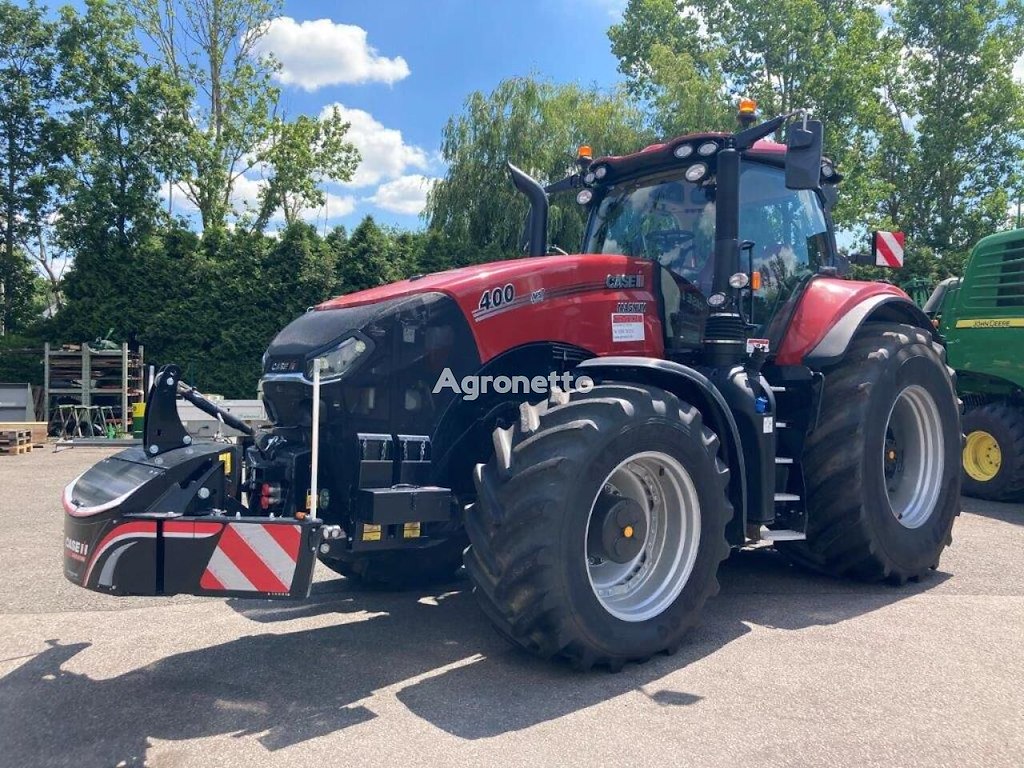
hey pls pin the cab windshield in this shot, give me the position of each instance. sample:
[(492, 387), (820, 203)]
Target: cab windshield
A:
[(672, 221)]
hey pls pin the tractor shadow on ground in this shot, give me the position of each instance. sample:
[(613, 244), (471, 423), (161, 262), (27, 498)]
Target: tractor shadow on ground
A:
[(1004, 511), (288, 687)]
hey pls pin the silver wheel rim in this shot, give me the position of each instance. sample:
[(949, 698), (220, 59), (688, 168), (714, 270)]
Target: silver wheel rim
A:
[(646, 585), (913, 457)]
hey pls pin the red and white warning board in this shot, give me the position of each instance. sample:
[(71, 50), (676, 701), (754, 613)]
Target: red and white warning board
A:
[(254, 558), (627, 326), (888, 247)]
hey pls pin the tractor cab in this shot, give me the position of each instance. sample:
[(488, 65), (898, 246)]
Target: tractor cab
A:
[(668, 216), (736, 223)]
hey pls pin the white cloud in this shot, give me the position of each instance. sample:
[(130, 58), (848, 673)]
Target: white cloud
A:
[(336, 207), (246, 193), (406, 195), (314, 54), (385, 155)]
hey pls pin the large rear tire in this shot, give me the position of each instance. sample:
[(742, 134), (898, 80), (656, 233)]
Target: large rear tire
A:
[(882, 468), (994, 452), (599, 525), (403, 568)]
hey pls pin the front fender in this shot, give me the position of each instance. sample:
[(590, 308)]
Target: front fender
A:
[(830, 313)]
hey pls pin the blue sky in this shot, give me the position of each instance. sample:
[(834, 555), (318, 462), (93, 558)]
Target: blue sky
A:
[(399, 69)]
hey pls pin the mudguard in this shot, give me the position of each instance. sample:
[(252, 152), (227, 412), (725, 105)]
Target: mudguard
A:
[(170, 524), (832, 310)]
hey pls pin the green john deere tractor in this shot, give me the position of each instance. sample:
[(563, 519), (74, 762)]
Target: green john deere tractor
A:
[(981, 316)]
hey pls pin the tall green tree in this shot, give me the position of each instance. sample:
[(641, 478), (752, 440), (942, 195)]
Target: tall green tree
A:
[(370, 259), (114, 140), (227, 110), (28, 133), (950, 141), (658, 45), (301, 153), (537, 126), (692, 58), (225, 95)]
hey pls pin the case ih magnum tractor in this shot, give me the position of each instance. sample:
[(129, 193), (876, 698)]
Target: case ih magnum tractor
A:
[(741, 393)]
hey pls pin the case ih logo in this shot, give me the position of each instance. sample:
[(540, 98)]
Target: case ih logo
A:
[(283, 366), (76, 549), (625, 281)]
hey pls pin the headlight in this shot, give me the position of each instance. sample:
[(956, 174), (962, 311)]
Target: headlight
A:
[(338, 360), (696, 172)]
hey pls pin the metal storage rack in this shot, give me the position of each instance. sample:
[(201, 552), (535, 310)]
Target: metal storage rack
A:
[(94, 378)]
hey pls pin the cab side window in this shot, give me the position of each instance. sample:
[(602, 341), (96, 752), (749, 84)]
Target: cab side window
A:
[(786, 226), (789, 234)]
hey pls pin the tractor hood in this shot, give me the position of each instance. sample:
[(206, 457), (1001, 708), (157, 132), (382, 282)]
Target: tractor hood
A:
[(552, 299), (470, 282)]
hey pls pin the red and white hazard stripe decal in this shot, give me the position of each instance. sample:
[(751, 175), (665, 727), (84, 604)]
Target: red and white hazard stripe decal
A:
[(253, 557), (134, 530), (889, 249)]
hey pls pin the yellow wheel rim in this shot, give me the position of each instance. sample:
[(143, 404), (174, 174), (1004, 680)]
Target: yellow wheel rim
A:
[(982, 457)]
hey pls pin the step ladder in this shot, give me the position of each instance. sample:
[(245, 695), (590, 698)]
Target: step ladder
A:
[(789, 485)]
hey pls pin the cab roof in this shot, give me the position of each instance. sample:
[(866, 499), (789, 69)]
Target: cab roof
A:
[(655, 155)]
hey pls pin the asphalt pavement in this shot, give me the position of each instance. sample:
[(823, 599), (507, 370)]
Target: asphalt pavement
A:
[(788, 668)]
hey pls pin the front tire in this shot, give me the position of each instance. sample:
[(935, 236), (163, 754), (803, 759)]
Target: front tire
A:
[(599, 525), (882, 468), (994, 452)]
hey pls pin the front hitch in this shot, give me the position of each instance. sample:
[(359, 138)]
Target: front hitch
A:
[(170, 517)]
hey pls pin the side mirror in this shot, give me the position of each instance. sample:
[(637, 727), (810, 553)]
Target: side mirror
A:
[(803, 155), (887, 249)]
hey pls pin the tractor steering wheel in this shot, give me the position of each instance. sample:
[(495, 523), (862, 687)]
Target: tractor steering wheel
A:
[(664, 240)]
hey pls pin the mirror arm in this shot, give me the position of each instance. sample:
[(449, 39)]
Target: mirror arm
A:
[(567, 184)]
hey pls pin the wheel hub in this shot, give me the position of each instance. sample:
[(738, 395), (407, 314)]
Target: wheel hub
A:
[(912, 458), (618, 528), (982, 457), (643, 535)]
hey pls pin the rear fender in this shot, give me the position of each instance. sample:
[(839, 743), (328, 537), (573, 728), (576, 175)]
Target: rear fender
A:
[(831, 312), (697, 390)]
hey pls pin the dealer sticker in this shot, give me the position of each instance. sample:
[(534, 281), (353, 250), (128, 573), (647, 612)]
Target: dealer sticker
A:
[(627, 326), (758, 344)]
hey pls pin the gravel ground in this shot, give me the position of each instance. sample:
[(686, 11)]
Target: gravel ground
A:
[(788, 668)]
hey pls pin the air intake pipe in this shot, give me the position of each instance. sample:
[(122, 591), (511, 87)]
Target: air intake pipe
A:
[(538, 241)]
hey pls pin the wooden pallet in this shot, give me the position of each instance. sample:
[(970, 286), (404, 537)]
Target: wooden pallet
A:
[(38, 429), (15, 442)]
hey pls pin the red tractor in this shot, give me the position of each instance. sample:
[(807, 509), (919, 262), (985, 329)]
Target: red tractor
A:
[(599, 429)]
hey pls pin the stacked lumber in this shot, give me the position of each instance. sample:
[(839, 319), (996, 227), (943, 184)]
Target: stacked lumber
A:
[(15, 441)]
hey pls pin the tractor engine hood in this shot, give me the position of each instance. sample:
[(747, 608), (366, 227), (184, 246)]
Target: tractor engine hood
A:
[(566, 300)]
